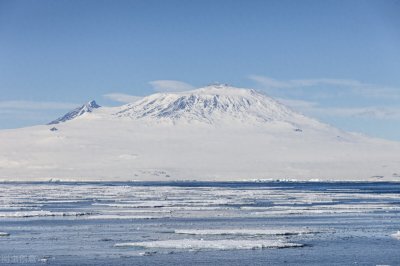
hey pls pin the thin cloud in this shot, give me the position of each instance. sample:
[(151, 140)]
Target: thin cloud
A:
[(31, 112), (343, 86), (296, 83), (371, 112), (170, 85), (122, 97), (297, 103), (32, 105), (385, 113)]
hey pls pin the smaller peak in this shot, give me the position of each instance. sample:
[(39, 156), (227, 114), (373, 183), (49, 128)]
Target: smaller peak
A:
[(86, 108)]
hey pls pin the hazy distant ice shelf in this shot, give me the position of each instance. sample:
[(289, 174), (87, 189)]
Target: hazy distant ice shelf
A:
[(200, 223)]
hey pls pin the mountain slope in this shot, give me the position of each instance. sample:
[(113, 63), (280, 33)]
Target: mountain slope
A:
[(213, 133)]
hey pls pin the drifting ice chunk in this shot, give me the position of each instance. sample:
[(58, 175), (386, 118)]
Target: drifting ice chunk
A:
[(244, 232), (396, 235), (40, 213)]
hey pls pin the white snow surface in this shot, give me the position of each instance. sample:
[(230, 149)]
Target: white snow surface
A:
[(215, 133), (199, 244)]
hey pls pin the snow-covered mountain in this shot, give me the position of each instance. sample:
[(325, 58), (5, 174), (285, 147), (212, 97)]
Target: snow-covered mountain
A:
[(213, 133)]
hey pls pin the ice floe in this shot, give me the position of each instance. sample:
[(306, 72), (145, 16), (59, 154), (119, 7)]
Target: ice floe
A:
[(199, 244), (118, 217), (396, 235), (40, 213), (266, 231)]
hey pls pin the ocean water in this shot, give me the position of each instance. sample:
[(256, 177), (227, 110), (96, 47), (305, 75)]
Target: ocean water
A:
[(200, 223)]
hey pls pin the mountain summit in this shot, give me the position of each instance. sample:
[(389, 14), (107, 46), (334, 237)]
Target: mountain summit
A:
[(214, 103)]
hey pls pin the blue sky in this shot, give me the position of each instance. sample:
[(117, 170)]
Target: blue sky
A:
[(338, 61)]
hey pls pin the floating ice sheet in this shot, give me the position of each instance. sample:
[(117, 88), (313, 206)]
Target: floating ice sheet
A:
[(119, 217), (225, 244), (40, 213), (244, 231), (396, 235)]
